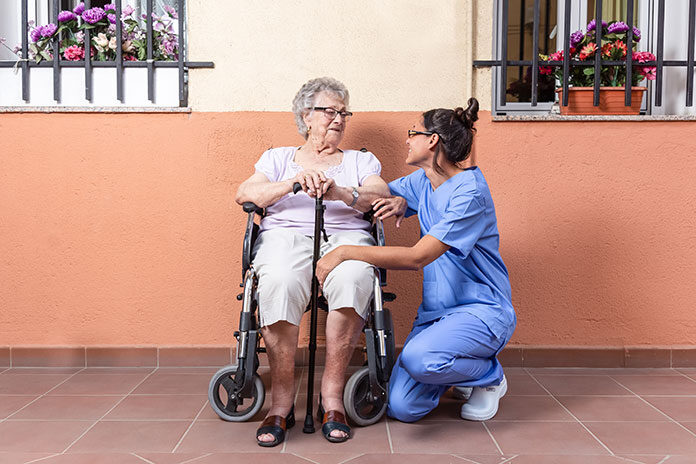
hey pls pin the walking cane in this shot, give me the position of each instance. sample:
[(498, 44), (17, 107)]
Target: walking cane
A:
[(318, 232)]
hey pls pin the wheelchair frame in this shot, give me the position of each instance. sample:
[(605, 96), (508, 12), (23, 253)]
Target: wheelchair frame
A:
[(365, 394)]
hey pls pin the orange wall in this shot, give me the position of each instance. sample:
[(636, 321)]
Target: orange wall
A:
[(120, 229)]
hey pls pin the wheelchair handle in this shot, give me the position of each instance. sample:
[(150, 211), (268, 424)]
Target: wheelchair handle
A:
[(296, 187)]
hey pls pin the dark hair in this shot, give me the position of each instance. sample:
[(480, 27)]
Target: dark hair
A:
[(455, 129)]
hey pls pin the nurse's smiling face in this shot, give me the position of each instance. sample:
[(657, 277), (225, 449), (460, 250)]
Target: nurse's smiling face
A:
[(420, 143)]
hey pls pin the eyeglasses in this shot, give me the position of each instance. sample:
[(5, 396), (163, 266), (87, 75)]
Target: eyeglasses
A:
[(412, 132), (331, 113)]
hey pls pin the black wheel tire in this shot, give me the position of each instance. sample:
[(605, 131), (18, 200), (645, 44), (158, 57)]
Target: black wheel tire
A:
[(219, 403), (359, 408)]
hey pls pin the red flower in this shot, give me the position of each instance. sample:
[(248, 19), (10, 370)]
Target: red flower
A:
[(588, 50)]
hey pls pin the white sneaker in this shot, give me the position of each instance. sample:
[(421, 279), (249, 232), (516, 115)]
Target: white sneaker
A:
[(483, 403), (461, 393)]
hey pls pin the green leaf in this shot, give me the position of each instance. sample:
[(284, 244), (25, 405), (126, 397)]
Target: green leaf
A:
[(589, 71), (45, 55)]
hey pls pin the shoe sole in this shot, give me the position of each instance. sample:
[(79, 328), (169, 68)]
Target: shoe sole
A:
[(488, 416)]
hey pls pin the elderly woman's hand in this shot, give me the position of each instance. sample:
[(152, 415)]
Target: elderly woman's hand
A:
[(311, 181), (392, 206), (327, 264)]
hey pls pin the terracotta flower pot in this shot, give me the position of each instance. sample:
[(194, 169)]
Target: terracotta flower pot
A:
[(611, 101)]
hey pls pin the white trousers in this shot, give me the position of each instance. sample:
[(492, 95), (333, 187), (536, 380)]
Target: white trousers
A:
[(282, 259)]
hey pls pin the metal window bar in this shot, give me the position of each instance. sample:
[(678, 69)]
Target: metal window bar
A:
[(150, 61), (535, 48), (181, 63), (56, 56), (598, 56), (88, 60), (659, 62), (119, 53)]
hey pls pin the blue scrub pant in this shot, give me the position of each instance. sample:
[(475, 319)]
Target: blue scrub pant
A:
[(455, 350)]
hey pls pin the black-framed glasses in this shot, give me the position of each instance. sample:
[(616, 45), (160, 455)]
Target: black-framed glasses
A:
[(412, 132), (331, 113)]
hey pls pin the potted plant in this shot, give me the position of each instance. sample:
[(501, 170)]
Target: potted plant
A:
[(584, 47)]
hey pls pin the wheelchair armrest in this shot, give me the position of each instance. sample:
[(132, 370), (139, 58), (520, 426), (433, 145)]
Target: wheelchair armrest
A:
[(378, 234), (251, 207)]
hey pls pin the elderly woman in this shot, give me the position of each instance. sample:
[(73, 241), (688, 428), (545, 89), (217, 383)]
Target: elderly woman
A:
[(348, 181)]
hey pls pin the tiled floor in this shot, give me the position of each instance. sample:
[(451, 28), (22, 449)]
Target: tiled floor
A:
[(162, 416)]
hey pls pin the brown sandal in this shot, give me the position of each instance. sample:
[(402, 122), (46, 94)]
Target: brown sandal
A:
[(276, 426), (334, 420)]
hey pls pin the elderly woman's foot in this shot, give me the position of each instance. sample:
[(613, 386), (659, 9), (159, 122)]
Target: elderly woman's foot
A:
[(272, 430), (334, 426)]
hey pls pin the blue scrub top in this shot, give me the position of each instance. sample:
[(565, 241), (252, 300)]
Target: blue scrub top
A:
[(471, 275)]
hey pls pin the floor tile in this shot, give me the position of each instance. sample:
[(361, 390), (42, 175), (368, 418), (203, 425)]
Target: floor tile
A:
[(40, 436), (171, 458), (647, 458), (691, 425), (117, 370), (131, 436), (29, 384), (174, 383), (523, 384), (644, 437), (158, 407), (223, 437), (537, 459), (581, 385), (93, 458), (11, 403), (602, 371), (68, 408), (21, 458), (86, 384), (658, 384), (256, 458), (372, 439), (434, 437), (561, 438), (42, 370), (681, 460), (532, 408), (610, 408), (678, 408), (333, 458), (406, 459)]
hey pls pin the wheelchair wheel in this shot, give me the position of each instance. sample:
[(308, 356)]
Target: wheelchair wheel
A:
[(357, 400), (234, 409)]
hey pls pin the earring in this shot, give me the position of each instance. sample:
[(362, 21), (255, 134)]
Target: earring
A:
[(309, 129)]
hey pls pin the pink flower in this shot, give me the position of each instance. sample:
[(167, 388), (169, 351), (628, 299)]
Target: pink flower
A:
[(649, 72), (74, 53)]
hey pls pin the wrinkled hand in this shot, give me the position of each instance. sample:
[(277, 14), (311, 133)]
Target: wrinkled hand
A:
[(330, 190), (387, 207), (311, 181), (327, 264)]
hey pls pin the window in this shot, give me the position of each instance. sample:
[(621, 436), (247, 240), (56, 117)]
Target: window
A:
[(516, 95), (145, 75)]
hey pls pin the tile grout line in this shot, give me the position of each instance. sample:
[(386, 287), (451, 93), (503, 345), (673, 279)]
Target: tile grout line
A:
[(140, 457), (200, 411), (196, 458), (492, 438), (297, 395), (573, 415), (303, 457), (44, 394), (350, 459), (658, 410), (633, 461), (684, 375), (665, 459), (389, 438), (466, 459), (107, 412), (43, 458)]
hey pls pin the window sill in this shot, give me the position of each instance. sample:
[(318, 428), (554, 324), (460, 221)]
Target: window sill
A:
[(91, 109), (560, 118)]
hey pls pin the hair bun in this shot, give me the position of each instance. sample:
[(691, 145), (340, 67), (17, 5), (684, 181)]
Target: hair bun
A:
[(471, 111)]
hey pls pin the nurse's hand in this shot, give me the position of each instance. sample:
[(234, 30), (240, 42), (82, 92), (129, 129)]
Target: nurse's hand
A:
[(387, 207), (327, 264)]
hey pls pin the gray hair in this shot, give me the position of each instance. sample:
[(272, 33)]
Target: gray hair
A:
[(304, 100)]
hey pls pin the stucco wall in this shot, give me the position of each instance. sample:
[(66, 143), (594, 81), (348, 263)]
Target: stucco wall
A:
[(394, 55), (130, 236)]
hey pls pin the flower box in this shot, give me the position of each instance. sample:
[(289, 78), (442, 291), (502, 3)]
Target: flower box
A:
[(612, 101)]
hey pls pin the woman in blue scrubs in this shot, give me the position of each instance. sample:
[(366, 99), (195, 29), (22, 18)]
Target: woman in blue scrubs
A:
[(466, 316)]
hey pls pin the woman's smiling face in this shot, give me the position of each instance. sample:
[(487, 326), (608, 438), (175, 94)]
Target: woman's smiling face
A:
[(419, 153), (330, 130)]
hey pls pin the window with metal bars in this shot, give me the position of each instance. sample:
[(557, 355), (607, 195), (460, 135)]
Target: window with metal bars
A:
[(152, 39), (527, 28)]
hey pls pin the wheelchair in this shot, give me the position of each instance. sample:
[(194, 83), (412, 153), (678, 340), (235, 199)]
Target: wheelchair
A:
[(236, 392)]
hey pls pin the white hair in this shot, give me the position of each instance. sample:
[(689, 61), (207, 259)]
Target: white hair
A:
[(304, 100)]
